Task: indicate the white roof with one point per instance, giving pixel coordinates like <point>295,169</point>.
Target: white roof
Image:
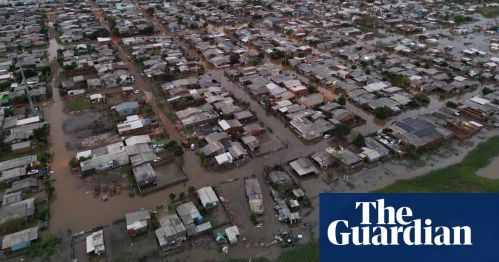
<point>95,242</point>
<point>224,125</point>
<point>84,154</point>
<point>29,120</point>
<point>479,100</point>
<point>95,96</point>
<point>133,140</point>
<point>207,196</point>
<point>224,158</point>
<point>103,39</point>
<point>137,225</point>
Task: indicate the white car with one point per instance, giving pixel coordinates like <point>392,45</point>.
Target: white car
<point>32,172</point>
<point>136,91</point>
<point>157,159</point>
<point>193,146</point>
<point>326,136</point>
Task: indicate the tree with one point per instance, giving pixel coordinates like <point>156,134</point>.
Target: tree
<point>234,58</point>
<point>311,89</point>
<point>191,189</point>
<point>451,104</point>
<point>383,112</point>
<point>419,100</point>
<point>359,140</point>
<point>41,134</point>
<point>341,131</point>
<point>342,101</point>
<point>398,80</point>
<point>486,91</point>
<point>181,195</point>
<point>172,196</point>
<point>150,11</point>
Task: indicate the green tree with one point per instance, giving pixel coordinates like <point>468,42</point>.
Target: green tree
<point>451,104</point>
<point>419,100</point>
<point>342,100</point>
<point>486,91</point>
<point>234,58</point>
<point>41,134</point>
<point>341,131</point>
<point>359,140</point>
<point>172,196</point>
<point>383,112</point>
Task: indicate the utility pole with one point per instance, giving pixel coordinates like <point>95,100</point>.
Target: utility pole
<point>28,92</point>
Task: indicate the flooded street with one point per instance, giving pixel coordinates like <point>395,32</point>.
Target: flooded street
<point>73,208</point>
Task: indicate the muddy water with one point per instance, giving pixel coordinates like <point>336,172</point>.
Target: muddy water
<point>490,171</point>
<point>72,207</point>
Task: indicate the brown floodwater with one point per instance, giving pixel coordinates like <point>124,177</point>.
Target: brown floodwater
<point>73,208</point>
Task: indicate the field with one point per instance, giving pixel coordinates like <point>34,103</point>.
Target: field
<point>489,12</point>
<point>456,178</point>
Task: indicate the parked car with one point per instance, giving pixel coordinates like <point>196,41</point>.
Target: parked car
<point>32,172</point>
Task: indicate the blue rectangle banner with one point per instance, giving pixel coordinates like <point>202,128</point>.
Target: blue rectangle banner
<point>409,227</point>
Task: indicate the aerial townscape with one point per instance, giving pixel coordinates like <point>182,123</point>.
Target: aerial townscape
<point>205,130</point>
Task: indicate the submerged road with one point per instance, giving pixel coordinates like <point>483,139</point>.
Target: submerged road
<point>75,209</point>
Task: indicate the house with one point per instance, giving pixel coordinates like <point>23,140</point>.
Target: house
<point>347,159</point>
<point>245,117</point>
<point>213,148</point>
<point>323,158</point>
<point>280,179</point>
<point>8,176</point>
<point>127,108</point>
<point>308,129</point>
<point>192,219</point>
<point>251,142</point>
<point>232,233</point>
<point>95,243</point>
<point>21,147</point>
<point>208,197</point>
<point>145,176</point>
<point>254,195</point>
<point>253,129</point>
<point>26,185</point>
<point>19,240</point>
<point>23,210</point>
<point>418,132</point>
<point>303,166</point>
<point>17,162</point>
<point>231,126</point>
<point>172,232</point>
<point>11,198</point>
<point>136,222</point>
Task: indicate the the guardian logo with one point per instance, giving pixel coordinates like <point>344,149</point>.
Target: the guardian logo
<point>393,227</point>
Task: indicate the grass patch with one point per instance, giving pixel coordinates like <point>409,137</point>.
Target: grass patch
<point>45,248</point>
<point>309,252</point>
<point>488,11</point>
<point>77,105</point>
<point>460,177</point>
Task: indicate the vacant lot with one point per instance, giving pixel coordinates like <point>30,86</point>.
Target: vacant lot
<point>87,124</point>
